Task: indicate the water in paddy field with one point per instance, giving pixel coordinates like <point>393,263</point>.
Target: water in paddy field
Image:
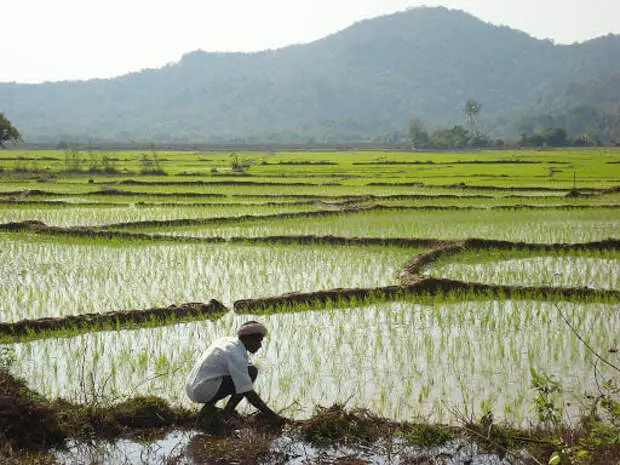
<point>596,273</point>
<point>192,448</point>
<point>402,360</point>
<point>44,279</point>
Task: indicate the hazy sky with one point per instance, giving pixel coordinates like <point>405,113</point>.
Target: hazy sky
<point>51,40</point>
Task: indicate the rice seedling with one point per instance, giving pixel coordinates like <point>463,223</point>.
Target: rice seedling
<point>97,216</point>
<point>581,225</point>
<point>560,272</point>
<point>420,356</point>
<point>57,278</point>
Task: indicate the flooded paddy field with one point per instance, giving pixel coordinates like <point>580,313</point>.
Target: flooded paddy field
<point>77,215</point>
<point>402,359</point>
<point>527,225</point>
<point>586,268</point>
<point>301,223</point>
<point>52,277</point>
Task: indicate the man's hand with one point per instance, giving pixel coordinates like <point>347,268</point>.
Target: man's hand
<point>270,416</point>
<point>276,420</point>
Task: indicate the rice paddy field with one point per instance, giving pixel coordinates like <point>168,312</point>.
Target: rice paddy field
<point>522,247</point>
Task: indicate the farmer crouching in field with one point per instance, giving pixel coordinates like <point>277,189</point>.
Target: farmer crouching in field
<point>225,370</point>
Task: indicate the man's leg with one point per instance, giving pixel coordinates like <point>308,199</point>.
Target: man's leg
<point>226,389</point>
<point>236,398</point>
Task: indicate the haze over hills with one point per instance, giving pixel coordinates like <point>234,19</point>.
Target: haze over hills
<point>357,84</point>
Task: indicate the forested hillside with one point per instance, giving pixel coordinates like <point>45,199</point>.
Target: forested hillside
<point>590,108</point>
<point>357,84</point>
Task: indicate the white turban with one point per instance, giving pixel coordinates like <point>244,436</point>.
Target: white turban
<point>250,328</point>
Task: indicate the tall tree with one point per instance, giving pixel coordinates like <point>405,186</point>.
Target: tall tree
<point>8,133</point>
<point>471,110</point>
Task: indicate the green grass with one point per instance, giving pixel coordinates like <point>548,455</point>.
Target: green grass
<point>589,166</point>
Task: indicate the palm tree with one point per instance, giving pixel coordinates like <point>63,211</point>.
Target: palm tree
<point>471,110</point>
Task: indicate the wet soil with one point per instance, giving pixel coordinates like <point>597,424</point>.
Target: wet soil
<point>422,286</point>
<point>119,318</point>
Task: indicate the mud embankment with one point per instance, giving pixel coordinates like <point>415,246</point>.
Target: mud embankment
<point>13,196</point>
<point>411,280</point>
<point>463,162</point>
<point>462,185</point>
<point>413,283</point>
<point>133,182</point>
<point>422,287</point>
<point>341,211</point>
<point>230,219</point>
<point>23,194</point>
<point>114,319</point>
<point>439,246</point>
<point>38,227</point>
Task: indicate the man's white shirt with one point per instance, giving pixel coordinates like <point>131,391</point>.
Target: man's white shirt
<point>226,356</point>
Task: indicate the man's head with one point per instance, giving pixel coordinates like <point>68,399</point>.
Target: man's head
<point>251,333</point>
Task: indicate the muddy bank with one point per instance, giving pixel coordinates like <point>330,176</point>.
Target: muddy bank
<point>413,268</point>
<point>342,211</point>
<point>211,183</point>
<point>133,428</point>
<point>113,319</point>
<point>567,193</point>
<point>28,192</point>
<point>424,287</point>
<point>27,420</point>
<point>148,430</point>
<point>338,240</point>
<point>108,191</point>
<point>462,185</point>
<point>61,203</point>
<point>229,219</point>
<point>112,191</point>
<point>465,162</point>
<point>39,227</point>
<point>64,203</point>
<point>225,204</point>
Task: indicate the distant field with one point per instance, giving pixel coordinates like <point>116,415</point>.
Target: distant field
<point>528,225</point>
<point>553,168</point>
<point>302,226</point>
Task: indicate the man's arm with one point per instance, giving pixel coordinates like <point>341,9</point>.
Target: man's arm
<point>254,399</point>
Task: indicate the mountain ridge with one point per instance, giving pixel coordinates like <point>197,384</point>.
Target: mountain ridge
<point>357,83</point>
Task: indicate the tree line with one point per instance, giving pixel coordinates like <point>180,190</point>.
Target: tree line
<point>472,134</point>
<point>8,132</point>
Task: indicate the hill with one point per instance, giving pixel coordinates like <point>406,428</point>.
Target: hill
<point>353,85</point>
<point>590,108</point>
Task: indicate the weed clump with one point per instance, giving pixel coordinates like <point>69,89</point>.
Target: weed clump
<point>336,425</point>
<point>144,412</point>
<point>136,414</point>
<point>428,435</point>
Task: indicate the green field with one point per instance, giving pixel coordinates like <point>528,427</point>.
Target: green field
<point>295,223</point>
